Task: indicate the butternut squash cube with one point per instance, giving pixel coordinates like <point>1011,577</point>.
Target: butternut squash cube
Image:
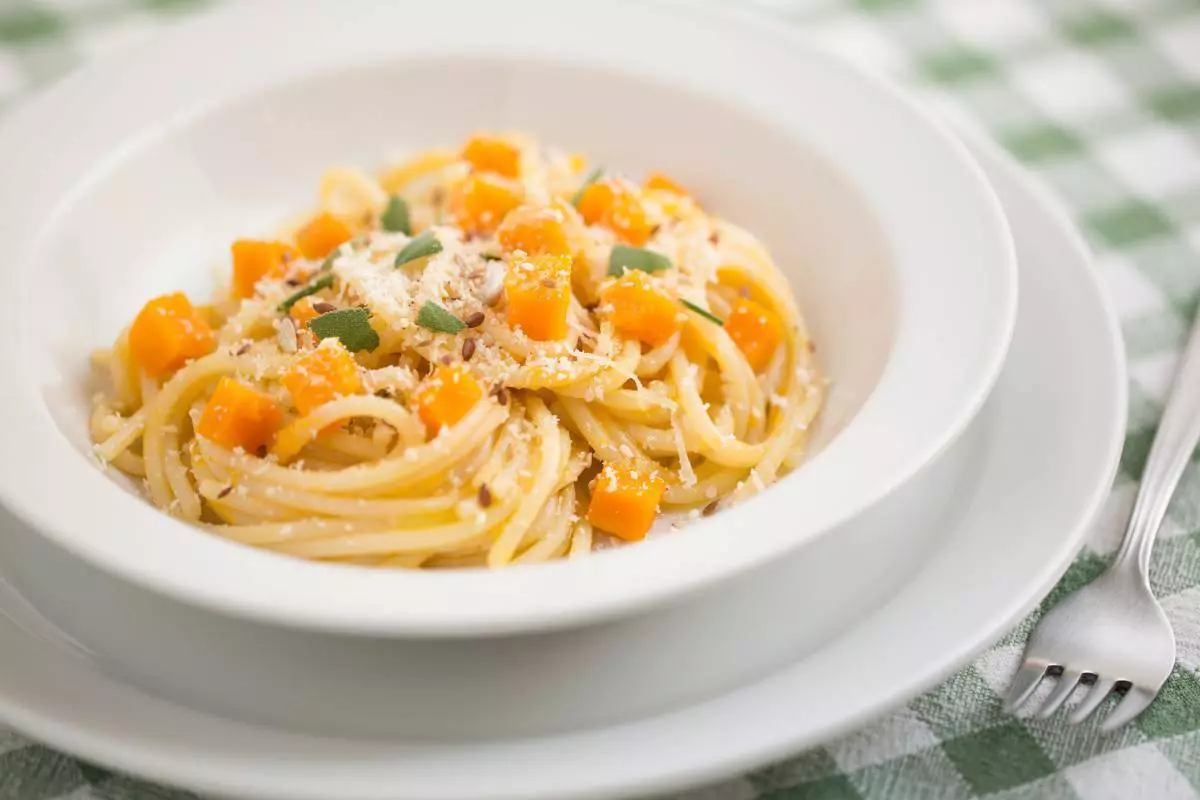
<point>640,310</point>
<point>167,333</point>
<point>756,330</point>
<point>238,415</point>
<point>625,500</point>
<point>446,396</point>
<point>538,293</point>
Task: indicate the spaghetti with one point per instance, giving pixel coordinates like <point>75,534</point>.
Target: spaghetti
<point>477,357</point>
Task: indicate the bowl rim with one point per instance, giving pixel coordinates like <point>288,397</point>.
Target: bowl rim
<point>347,599</point>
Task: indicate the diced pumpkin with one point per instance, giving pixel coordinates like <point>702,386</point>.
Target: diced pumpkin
<point>640,310</point>
<point>484,200</point>
<point>538,295</point>
<point>535,230</point>
<point>238,415</point>
<point>659,181</point>
<point>446,396</point>
<point>321,235</point>
<point>321,375</point>
<point>303,311</point>
<point>756,330</point>
<point>167,333</point>
<point>611,203</point>
<point>625,500</point>
<point>493,154</point>
<point>254,260</point>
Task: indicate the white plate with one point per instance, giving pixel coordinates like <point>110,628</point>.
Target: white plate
<point>805,649</point>
<point>110,197</point>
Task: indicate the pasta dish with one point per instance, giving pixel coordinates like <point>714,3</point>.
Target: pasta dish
<point>479,356</point>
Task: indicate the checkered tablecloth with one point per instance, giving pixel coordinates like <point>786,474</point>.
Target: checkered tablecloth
<point>1101,98</point>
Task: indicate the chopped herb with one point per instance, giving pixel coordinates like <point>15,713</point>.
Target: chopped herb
<point>492,257</point>
<point>625,257</point>
<point>592,177</point>
<point>395,216</point>
<point>436,318</point>
<point>323,282</point>
<point>351,325</point>
<point>704,312</point>
<point>423,245</point>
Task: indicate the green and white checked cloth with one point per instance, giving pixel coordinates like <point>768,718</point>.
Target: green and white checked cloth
<point>1101,98</point>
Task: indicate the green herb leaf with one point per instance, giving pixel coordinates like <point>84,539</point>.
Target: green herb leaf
<point>323,282</point>
<point>625,257</point>
<point>436,318</point>
<point>422,245</point>
<point>395,216</point>
<point>351,325</point>
<point>704,312</point>
<point>492,257</point>
<point>592,177</point>
<point>327,264</point>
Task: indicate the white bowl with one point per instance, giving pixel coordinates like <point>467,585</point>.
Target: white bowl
<point>125,180</point>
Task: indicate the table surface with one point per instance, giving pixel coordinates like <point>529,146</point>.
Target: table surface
<point>1101,98</point>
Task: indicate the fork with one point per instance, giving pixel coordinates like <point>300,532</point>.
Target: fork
<point>1112,633</point>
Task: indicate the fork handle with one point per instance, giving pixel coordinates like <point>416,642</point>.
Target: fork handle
<point>1176,439</point>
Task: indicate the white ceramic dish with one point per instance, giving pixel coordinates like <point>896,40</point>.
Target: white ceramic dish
<point>895,244</point>
<point>789,656</point>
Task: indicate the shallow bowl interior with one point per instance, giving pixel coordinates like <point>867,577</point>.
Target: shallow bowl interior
<point>159,218</point>
<point>889,234</point>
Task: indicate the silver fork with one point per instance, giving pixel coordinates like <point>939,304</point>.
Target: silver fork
<point>1113,631</point>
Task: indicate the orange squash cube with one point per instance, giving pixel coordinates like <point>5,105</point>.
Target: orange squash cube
<point>534,230</point>
<point>446,396</point>
<point>493,154</point>
<point>238,415</point>
<point>625,501</point>
<point>254,260</point>
<point>321,375</point>
<point>538,292</point>
<point>756,330</point>
<point>611,203</point>
<point>640,310</point>
<point>321,235</point>
<point>484,200</point>
<point>659,181</point>
<point>167,333</point>
<point>303,312</point>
